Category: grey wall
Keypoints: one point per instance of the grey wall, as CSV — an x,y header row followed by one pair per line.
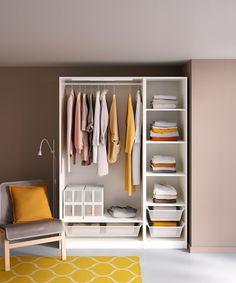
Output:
x,y
29,112
213,155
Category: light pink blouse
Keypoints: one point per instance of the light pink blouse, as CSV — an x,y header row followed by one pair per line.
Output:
x,y
70,112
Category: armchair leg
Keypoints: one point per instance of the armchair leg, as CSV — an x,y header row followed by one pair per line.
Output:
x,y
63,246
6,248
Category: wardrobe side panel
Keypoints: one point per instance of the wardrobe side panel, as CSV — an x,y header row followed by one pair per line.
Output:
x,y
213,162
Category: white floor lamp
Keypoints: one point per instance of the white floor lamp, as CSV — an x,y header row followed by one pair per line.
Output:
x,y
52,150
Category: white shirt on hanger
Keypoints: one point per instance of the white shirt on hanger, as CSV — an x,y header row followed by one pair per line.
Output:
x,y
102,148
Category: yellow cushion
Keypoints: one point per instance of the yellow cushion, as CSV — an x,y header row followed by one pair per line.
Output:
x,y
30,203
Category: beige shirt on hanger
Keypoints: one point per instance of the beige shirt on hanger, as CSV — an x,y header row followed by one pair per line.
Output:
x,y
70,119
78,139
136,152
113,133
85,151
102,148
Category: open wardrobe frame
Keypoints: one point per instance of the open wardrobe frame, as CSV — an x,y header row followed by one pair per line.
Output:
x,y
114,193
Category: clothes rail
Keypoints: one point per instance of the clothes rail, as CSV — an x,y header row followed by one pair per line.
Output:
x,y
103,84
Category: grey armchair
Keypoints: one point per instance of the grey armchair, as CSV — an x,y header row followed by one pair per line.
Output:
x,y
26,234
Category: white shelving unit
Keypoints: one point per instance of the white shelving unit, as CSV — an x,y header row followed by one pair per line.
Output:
x,y
113,183
168,86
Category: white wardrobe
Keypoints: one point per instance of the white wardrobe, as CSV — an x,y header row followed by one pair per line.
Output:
x,y
105,231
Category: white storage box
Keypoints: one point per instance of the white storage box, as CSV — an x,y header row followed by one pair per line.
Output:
x,y
93,201
83,230
165,215
166,231
73,201
122,229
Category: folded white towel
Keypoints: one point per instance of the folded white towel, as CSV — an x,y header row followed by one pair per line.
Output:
x,y
163,168
164,124
163,159
160,189
168,97
163,101
164,106
164,135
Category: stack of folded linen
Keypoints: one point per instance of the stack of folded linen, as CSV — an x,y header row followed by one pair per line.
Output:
x,y
163,164
164,131
122,212
164,101
164,194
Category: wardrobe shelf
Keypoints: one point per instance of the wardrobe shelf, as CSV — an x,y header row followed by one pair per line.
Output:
x,y
151,174
166,109
149,202
106,218
165,142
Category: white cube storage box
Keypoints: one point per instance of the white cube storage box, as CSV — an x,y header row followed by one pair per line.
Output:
x,y
93,201
81,201
73,201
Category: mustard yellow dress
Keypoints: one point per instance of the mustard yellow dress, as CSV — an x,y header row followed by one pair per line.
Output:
x,y
130,136
113,133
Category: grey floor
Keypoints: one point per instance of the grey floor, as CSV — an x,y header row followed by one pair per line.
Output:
x,y
162,266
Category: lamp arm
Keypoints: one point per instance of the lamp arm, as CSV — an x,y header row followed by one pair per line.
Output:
x,y
47,142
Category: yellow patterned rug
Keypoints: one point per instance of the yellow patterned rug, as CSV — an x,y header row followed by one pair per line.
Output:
x,y
95,269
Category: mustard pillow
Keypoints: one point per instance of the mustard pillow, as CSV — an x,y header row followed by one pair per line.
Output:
x,y
30,203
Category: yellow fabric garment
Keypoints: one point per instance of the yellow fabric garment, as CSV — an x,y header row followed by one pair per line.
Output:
x,y
130,136
113,133
164,223
163,164
169,130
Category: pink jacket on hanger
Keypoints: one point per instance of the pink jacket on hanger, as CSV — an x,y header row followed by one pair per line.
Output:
x,y
69,138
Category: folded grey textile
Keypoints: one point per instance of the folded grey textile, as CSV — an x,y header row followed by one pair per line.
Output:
x,y
164,197
163,101
155,169
122,212
164,96
164,171
164,200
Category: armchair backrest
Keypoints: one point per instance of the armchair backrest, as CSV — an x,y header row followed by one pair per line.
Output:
x,y
5,199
